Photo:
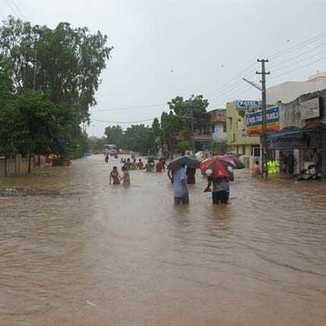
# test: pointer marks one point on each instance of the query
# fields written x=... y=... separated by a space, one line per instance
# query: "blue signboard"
x=254 y=120
x=247 y=104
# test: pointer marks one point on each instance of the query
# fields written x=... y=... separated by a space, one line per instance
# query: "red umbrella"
x=219 y=166
x=227 y=159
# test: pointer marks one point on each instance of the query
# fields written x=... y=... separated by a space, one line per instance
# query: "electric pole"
x=263 y=73
x=192 y=131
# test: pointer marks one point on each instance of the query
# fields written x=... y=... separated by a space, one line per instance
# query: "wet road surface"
x=76 y=251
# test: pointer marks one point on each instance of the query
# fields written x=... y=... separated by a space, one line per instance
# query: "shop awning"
x=286 y=135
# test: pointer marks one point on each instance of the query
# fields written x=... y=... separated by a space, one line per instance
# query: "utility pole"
x=263 y=73
x=192 y=132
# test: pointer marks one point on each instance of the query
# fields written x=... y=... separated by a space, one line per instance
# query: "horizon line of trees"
x=171 y=133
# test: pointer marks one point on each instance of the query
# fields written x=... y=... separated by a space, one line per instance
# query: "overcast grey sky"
x=165 y=48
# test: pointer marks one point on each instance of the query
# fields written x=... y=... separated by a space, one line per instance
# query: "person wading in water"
x=114 y=176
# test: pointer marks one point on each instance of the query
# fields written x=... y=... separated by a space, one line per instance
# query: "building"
x=218 y=121
x=289 y=91
x=238 y=140
x=301 y=140
x=201 y=131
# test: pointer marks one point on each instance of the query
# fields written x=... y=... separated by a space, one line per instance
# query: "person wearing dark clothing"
x=191 y=176
x=220 y=189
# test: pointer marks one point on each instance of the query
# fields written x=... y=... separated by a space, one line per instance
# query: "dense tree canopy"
x=6 y=88
x=48 y=80
x=114 y=135
x=64 y=62
x=184 y=118
x=34 y=125
x=137 y=138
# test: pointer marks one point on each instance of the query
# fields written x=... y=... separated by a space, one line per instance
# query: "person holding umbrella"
x=220 y=190
x=181 y=194
x=219 y=171
x=190 y=162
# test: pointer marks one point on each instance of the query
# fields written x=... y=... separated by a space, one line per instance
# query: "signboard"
x=310 y=109
x=254 y=121
x=247 y=104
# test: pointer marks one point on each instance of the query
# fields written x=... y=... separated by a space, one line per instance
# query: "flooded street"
x=76 y=251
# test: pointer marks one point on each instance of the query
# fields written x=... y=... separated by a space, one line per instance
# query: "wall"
x=235 y=128
x=15 y=167
x=291 y=113
x=289 y=91
x=218 y=132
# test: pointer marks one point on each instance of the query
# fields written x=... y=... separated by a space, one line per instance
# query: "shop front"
x=297 y=150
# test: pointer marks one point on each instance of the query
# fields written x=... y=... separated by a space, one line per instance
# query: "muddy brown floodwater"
x=75 y=251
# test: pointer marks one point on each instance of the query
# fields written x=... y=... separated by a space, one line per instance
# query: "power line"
x=125 y=108
x=300 y=67
x=305 y=55
x=306 y=42
x=233 y=85
x=11 y=9
x=21 y=13
x=123 y=122
x=15 y=9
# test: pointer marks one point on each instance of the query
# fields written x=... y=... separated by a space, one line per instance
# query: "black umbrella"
x=189 y=161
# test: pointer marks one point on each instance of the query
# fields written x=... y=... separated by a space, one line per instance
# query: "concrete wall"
x=289 y=91
x=218 y=134
x=235 y=128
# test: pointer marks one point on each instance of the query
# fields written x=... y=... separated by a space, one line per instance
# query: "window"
x=255 y=151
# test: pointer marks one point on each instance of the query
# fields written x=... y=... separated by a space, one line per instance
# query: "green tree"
x=170 y=127
x=6 y=89
x=183 y=146
x=185 y=116
x=31 y=124
x=140 y=138
x=114 y=135
x=64 y=62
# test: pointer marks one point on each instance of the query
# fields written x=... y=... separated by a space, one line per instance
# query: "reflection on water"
x=76 y=251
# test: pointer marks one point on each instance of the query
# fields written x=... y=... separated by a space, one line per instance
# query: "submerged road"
x=76 y=251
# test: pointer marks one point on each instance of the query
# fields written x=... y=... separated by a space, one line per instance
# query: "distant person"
x=127 y=164
x=181 y=195
x=159 y=167
x=140 y=164
x=133 y=164
x=191 y=175
x=256 y=170
x=114 y=176
x=125 y=177
x=106 y=158
x=163 y=161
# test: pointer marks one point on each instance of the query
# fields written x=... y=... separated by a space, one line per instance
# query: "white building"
x=289 y=91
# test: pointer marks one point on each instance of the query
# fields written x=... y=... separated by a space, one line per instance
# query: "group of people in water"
x=116 y=179
x=133 y=164
x=180 y=178
x=183 y=176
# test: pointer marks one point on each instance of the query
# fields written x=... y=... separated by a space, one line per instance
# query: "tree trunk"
x=29 y=163
x=6 y=167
